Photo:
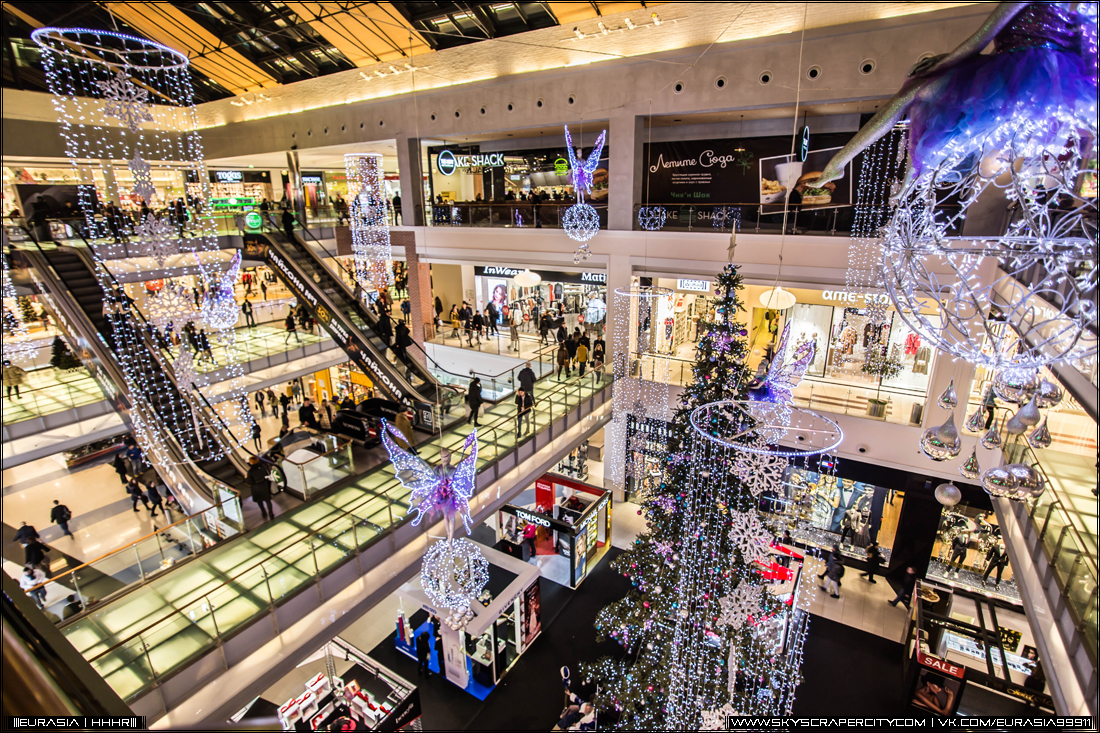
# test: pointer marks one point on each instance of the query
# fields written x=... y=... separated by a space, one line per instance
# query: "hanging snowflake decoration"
x=716 y=719
x=760 y=471
x=126 y=101
x=156 y=239
x=749 y=536
x=740 y=605
x=652 y=218
x=174 y=305
x=186 y=370
x=143 y=178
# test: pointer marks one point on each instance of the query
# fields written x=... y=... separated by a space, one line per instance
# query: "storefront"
x=692 y=301
x=507 y=620
x=969 y=553
x=572 y=529
x=359 y=689
x=19 y=183
x=578 y=298
x=237 y=190
x=646 y=453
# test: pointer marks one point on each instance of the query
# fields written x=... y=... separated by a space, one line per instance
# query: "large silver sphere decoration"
x=1016 y=385
x=1039 y=307
x=453 y=573
x=1040 y=437
x=1029 y=482
x=999 y=481
x=949 y=400
x=948 y=494
x=942 y=443
x=1048 y=395
x=970 y=468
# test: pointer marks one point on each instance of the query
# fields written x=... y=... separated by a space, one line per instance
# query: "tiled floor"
x=48 y=391
x=178 y=616
x=862 y=604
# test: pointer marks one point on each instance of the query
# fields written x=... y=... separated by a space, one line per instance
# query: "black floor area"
x=846 y=671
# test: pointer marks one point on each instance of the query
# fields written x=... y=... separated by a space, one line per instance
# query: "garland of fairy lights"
x=370 y=233
x=19 y=347
x=124 y=98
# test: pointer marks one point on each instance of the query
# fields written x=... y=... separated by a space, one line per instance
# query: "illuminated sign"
x=312 y=180
x=697 y=286
x=561 y=167
x=447 y=162
x=253 y=220
x=804 y=149
x=533 y=518
x=553 y=276
x=847 y=297
x=229 y=176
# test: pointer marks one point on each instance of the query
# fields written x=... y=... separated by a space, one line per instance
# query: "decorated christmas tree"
x=61 y=357
x=701 y=634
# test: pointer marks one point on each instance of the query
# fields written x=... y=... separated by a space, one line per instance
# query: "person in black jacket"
x=119 y=464
x=26 y=533
x=261 y=487
x=874 y=560
x=60 y=515
x=525 y=405
x=527 y=378
x=307 y=415
x=402 y=340
x=34 y=553
x=996 y=559
x=133 y=488
x=288 y=224
x=291 y=329
x=423 y=654
x=477 y=326
x=474 y=400
x=908 y=585
x=256 y=435
x=155 y=499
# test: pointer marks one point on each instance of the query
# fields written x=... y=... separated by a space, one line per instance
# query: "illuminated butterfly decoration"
x=783 y=376
x=220 y=310
x=582 y=172
x=443 y=488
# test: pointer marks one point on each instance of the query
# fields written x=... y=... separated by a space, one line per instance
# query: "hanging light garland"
x=370 y=233
x=120 y=97
x=17 y=344
x=580 y=221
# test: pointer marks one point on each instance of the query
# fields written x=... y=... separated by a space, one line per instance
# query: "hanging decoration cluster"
x=712 y=625
x=580 y=221
x=122 y=98
x=370 y=233
x=17 y=344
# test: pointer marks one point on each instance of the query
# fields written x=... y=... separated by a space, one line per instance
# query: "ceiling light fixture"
x=577 y=33
x=527 y=279
x=740 y=135
x=777 y=299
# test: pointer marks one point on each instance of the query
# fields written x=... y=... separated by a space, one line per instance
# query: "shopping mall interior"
x=644 y=366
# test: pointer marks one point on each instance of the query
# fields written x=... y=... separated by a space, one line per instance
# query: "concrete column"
x=294 y=172
x=625 y=137
x=412 y=180
x=421 y=312
x=619 y=272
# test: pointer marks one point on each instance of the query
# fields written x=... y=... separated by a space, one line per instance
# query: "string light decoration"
x=652 y=218
x=104 y=86
x=453 y=573
x=17 y=345
x=694 y=579
x=370 y=233
x=642 y=370
x=219 y=309
x=581 y=222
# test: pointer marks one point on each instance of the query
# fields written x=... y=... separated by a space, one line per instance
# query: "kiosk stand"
x=571 y=526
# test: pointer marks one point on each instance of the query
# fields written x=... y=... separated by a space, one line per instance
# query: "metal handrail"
x=563 y=387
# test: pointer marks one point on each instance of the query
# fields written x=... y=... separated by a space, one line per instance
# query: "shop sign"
x=561 y=167
x=229 y=176
x=845 y=296
x=311 y=180
x=697 y=286
x=253 y=220
x=553 y=276
x=804 y=148
x=533 y=518
x=447 y=162
x=940 y=665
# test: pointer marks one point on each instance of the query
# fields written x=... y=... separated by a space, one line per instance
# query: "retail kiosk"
x=572 y=528
x=507 y=619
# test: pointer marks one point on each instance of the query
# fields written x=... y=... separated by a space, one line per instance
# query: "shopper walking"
x=474 y=400
x=261 y=398
x=246 y=308
x=155 y=498
x=307 y=415
x=513 y=334
x=30 y=578
x=874 y=560
x=257 y=434
x=525 y=405
x=478 y=322
x=563 y=360
x=26 y=533
x=491 y=319
x=402 y=340
x=406 y=310
x=908 y=585
x=423 y=654
x=261 y=487
x=404 y=426
x=291 y=329
x=133 y=488
x=119 y=464
x=288 y=225
x=133 y=455
x=60 y=515
x=834 y=571
x=582 y=357
x=526 y=378
x=34 y=554
x=530 y=532
x=284 y=402
x=12 y=376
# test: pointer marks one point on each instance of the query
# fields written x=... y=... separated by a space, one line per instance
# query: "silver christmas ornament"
x=1015 y=426
x=999 y=482
x=1048 y=395
x=942 y=443
x=992 y=438
x=948 y=494
x=1016 y=385
x=976 y=422
x=949 y=400
x=1029 y=414
x=971 y=469
x=1040 y=436
x=1029 y=482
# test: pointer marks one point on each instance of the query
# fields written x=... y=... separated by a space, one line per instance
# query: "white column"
x=625 y=140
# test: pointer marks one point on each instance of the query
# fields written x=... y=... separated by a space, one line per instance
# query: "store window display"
x=970 y=553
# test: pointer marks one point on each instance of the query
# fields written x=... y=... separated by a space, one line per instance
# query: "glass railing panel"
x=283 y=578
x=125 y=668
x=1068 y=557
x=49 y=391
x=181 y=637
x=234 y=606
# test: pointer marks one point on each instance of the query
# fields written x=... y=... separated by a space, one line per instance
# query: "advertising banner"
x=532 y=613
x=938 y=685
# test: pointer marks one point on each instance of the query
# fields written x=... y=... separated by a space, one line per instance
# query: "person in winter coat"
x=563 y=360
x=834 y=571
x=119 y=464
x=261 y=487
x=261 y=398
x=291 y=329
x=423 y=654
x=257 y=434
x=474 y=400
x=133 y=488
x=582 y=357
x=404 y=426
x=31 y=577
x=155 y=499
x=60 y=515
x=908 y=585
x=402 y=340
x=874 y=560
x=527 y=378
x=12 y=377
x=525 y=405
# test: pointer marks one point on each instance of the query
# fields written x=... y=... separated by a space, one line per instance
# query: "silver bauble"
x=942 y=443
x=971 y=468
x=976 y=422
x=948 y=494
x=1015 y=426
x=1029 y=482
x=1029 y=414
x=1016 y=385
x=1048 y=395
x=1040 y=436
x=998 y=481
x=992 y=438
x=949 y=400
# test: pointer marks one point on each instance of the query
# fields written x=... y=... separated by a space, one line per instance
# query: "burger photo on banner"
x=786 y=180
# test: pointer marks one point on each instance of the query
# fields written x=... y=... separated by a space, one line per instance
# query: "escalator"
x=352 y=326
x=130 y=350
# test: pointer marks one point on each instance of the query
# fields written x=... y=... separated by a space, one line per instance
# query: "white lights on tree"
x=370 y=233
x=123 y=98
x=581 y=222
x=17 y=345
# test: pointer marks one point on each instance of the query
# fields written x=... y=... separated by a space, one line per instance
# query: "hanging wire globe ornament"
x=453 y=573
x=1039 y=307
x=652 y=218
x=948 y=494
x=758 y=427
x=581 y=223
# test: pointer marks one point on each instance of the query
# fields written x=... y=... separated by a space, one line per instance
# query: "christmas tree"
x=61 y=357
x=26 y=309
x=699 y=629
